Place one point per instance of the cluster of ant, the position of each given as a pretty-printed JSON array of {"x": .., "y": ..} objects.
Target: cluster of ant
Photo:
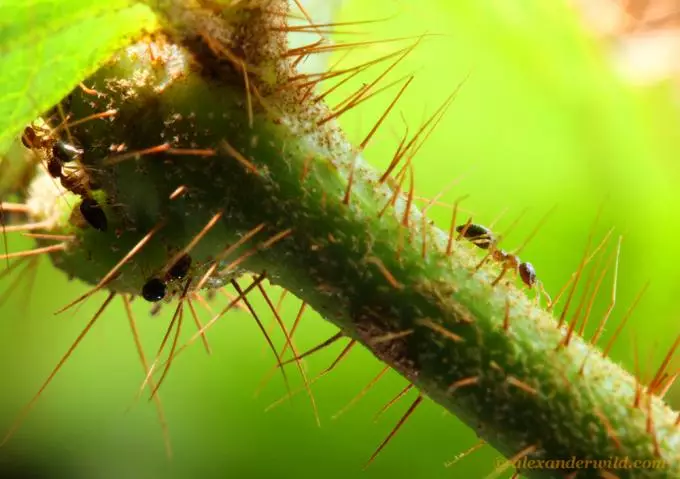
[
  {"x": 482, "y": 237},
  {"x": 58, "y": 156},
  {"x": 155, "y": 289}
]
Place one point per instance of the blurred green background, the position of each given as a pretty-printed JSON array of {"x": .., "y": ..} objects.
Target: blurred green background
[{"x": 542, "y": 120}]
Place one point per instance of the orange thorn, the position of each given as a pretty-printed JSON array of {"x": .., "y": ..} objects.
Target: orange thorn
[
  {"x": 199, "y": 326},
  {"x": 438, "y": 328},
  {"x": 465, "y": 453},
  {"x": 462, "y": 383},
  {"x": 656, "y": 381},
  {"x": 178, "y": 192},
  {"x": 192, "y": 244},
  {"x": 140, "y": 351},
  {"x": 392, "y": 402},
  {"x": 29, "y": 406},
  {"x": 385, "y": 272},
  {"x": 606, "y": 350},
  {"x": 394, "y": 431},
  {"x": 315, "y": 349},
  {"x": 240, "y": 158},
  {"x": 512, "y": 461},
  {"x": 239, "y": 291},
  {"x": 521, "y": 385},
  {"x": 114, "y": 271},
  {"x": 612, "y": 303},
  {"x": 362, "y": 393}
]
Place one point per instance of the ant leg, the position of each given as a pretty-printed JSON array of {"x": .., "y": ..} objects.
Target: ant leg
[
  {"x": 500, "y": 276},
  {"x": 544, "y": 293}
]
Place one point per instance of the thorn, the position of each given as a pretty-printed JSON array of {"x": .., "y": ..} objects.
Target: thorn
[
  {"x": 180, "y": 191},
  {"x": 438, "y": 328},
  {"x": 394, "y": 431},
  {"x": 513, "y": 460},
  {"x": 606, "y": 350},
  {"x": 595, "y": 292},
  {"x": 461, "y": 383},
  {"x": 179, "y": 316},
  {"x": 358, "y": 98},
  {"x": 366, "y": 140},
  {"x": 612, "y": 303},
  {"x": 145, "y": 365},
  {"x": 115, "y": 270},
  {"x": 392, "y": 401},
  {"x": 521, "y": 385},
  {"x": 210, "y": 323},
  {"x": 650, "y": 427},
  {"x": 192, "y": 244},
  {"x": 389, "y": 337},
  {"x": 638, "y": 377},
  {"x": 315, "y": 349},
  {"x": 465, "y": 453},
  {"x": 573, "y": 275},
  {"x": 23, "y": 413},
  {"x": 506, "y": 316},
  {"x": 452, "y": 227},
  {"x": 239, "y": 291},
  {"x": 657, "y": 379},
  {"x": 385, "y": 272},
  {"x": 35, "y": 252},
  {"x": 362, "y": 393},
  {"x": 239, "y": 157},
  {"x": 226, "y": 252}
]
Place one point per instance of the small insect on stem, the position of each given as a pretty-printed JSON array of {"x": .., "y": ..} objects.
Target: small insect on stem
[
  {"x": 483, "y": 237},
  {"x": 57, "y": 154},
  {"x": 155, "y": 289}
]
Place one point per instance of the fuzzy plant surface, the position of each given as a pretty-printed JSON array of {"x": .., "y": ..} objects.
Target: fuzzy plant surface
[{"x": 203, "y": 146}]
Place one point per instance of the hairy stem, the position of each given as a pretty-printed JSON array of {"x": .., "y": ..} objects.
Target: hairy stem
[{"x": 255, "y": 153}]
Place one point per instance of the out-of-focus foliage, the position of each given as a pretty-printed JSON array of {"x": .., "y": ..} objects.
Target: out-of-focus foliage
[
  {"x": 542, "y": 119},
  {"x": 42, "y": 63}
]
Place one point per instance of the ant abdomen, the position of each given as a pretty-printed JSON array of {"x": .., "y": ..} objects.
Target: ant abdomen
[
  {"x": 65, "y": 152},
  {"x": 154, "y": 290},
  {"x": 528, "y": 274},
  {"x": 93, "y": 214}
]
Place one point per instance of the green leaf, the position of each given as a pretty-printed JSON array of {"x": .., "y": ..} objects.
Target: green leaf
[{"x": 48, "y": 46}]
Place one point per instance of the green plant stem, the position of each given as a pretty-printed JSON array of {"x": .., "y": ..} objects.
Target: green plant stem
[{"x": 488, "y": 353}]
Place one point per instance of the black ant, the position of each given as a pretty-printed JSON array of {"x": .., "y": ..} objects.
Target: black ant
[
  {"x": 58, "y": 153},
  {"x": 155, "y": 288},
  {"x": 482, "y": 237}
]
